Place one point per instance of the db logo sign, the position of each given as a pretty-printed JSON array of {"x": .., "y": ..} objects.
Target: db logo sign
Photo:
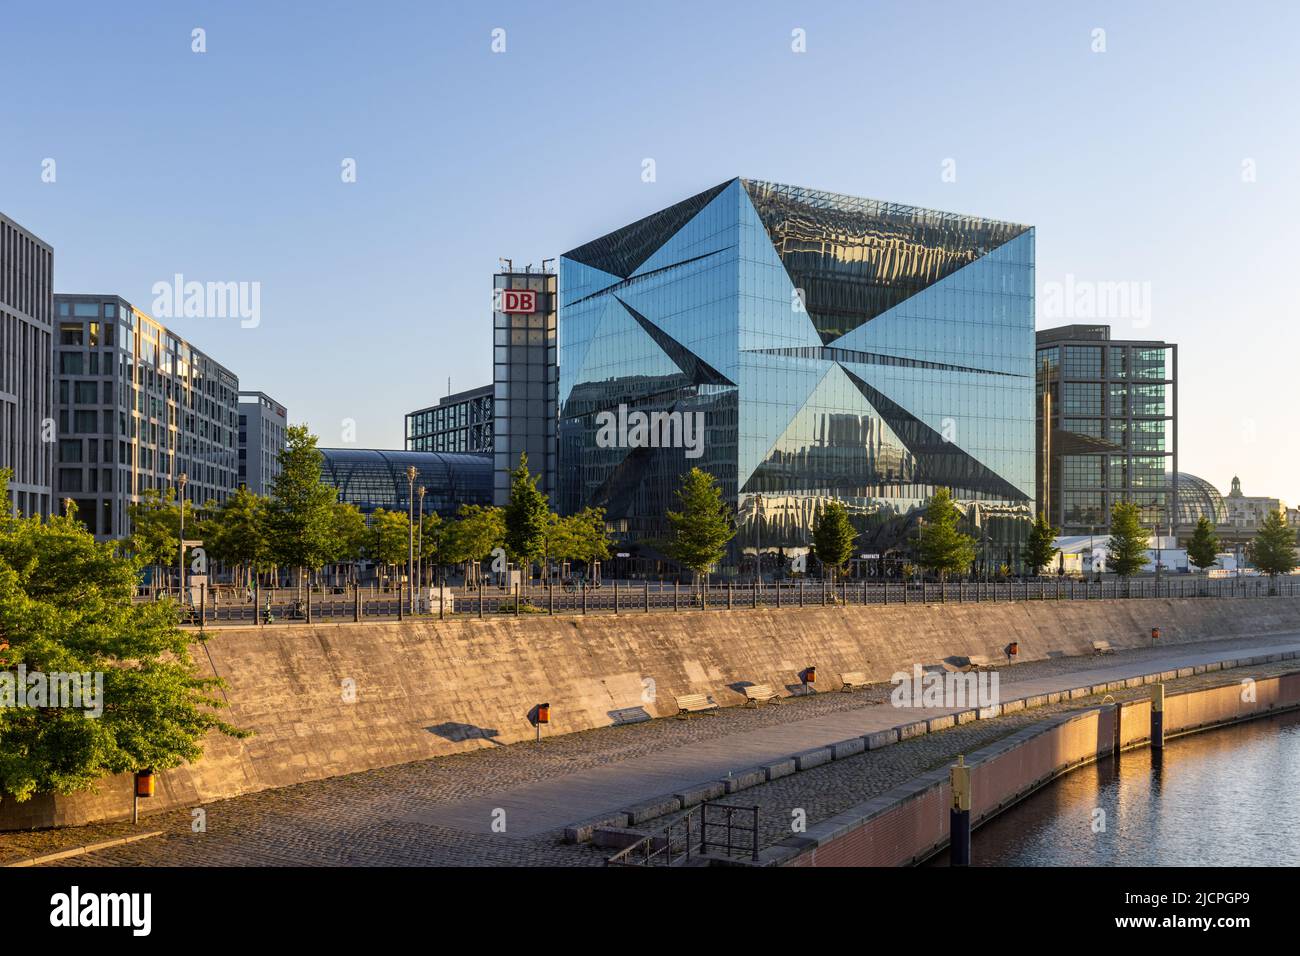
[{"x": 517, "y": 300}]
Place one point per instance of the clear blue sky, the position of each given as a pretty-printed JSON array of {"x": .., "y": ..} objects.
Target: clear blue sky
[{"x": 225, "y": 166}]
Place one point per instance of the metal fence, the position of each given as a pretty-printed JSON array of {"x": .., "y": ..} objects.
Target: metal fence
[{"x": 235, "y": 606}]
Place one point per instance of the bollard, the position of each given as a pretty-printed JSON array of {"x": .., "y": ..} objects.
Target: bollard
[
  {"x": 517, "y": 598},
  {"x": 1157, "y": 716},
  {"x": 676, "y": 589},
  {"x": 728, "y": 595},
  {"x": 959, "y": 815},
  {"x": 647, "y": 595},
  {"x": 400, "y": 614},
  {"x": 203, "y": 606},
  {"x": 356, "y": 603},
  {"x": 615, "y": 595},
  {"x": 550, "y": 598},
  {"x": 480, "y": 599}
]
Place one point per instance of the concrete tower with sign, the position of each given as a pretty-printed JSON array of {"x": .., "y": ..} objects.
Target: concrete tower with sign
[{"x": 525, "y": 376}]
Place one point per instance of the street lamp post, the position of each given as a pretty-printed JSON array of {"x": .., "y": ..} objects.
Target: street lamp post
[
  {"x": 419, "y": 542},
  {"x": 410, "y": 529},
  {"x": 180, "y": 567}
]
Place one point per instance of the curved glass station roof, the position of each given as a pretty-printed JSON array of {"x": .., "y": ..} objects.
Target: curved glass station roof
[
  {"x": 1198, "y": 498},
  {"x": 376, "y": 478}
]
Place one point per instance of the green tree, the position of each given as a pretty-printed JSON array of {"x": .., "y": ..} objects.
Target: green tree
[
  {"x": 1203, "y": 547},
  {"x": 429, "y": 532},
  {"x": 1041, "y": 547},
  {"x": 579, "y": 537},
  {"x": 528, "y": 518},
  {"x": 700, "y": 531},
  {"x": 944, "y": 548},
  {"x": 300, "y": 516},
  {"x": 66, "y": 606},
  {"x": 155, "y": 529},
  {"x": 388, "y": 540},
  {"x": 477, "y": 530},
  {"x": 349, "y": 535},
  {"x": 1127, "y": 551},
  {"x": 833, "y": 537},
  {"x": 236, "y": 532},
  {"x": 1273, "y": 550}
]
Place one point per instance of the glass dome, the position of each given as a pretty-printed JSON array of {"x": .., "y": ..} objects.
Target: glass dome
[
  {"x": 374, "y": 478},
  {"x": 1197, "y": 498}
]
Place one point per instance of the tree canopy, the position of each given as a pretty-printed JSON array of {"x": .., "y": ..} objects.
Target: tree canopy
[
  {"x": 1273, "y": 549},
  {"x": 833, "y": 536},
  {"x": 944, "y": 548},
  {"x": 1041, "y": 547},
  {"x": 1203, "y": 547},
  {"x": 702, "y": 528},
  {"x": 1126, "y": 553},
  {"x": 66, "y": 607}
]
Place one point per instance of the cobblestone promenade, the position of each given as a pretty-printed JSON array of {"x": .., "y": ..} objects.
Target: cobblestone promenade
[{"x": 450, "y": 811}]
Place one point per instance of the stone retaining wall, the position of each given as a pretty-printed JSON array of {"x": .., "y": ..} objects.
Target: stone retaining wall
[{"x": 329, "y": 699}]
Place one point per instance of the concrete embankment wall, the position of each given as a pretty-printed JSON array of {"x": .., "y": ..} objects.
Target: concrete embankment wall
[
  {"x": 329, "y": 699},
  {"x": 910, "y": 822}
]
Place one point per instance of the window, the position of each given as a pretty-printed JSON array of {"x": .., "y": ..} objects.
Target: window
[
  {"x": 1081, "y": 361},
  {"x": 1080, "y": 398}
]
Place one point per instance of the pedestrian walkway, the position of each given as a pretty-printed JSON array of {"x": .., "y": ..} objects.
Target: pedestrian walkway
[{"x": 550, "y": 804}]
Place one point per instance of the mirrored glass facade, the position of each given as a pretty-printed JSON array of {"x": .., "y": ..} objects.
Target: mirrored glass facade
[{"x": 829, "y": 348}]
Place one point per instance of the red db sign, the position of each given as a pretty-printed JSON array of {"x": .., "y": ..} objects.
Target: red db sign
[{"x": 518, "y": 300}]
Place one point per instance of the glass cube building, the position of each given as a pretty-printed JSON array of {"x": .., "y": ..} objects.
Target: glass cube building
[{"x": 830, "y": 348}]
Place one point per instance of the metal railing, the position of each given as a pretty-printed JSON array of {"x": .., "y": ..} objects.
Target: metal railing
[
  {"x": 223, "y": 605},
  {"x": 682, "y": 840}
]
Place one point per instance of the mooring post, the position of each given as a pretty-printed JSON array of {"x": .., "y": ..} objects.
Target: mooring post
[
  {"x": 1157, "y": 716},
  {"x": 959, "y": 815}
]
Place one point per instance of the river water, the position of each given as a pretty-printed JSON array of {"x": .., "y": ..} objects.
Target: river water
[{"x": 1228, "y": 797}]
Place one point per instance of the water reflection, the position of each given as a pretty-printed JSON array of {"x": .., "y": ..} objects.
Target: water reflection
[{"x": 1228, "y": 797}]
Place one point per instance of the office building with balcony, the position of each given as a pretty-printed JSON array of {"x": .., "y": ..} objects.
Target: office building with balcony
[
  {"x": 1107, "y": 426},
  {"x": 138, "y": 406},
  {"x": 803, "y": 347},
  {"x": 27, "y": 417},
  {"x": 262, "y": 425},
  {"x": 462, "y": 422}
]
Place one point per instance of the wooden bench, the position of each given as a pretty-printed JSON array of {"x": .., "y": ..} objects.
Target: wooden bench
[
  {"x": 1102, "y": 647},
  {"x": 760, "y": 693},
  {"x": 689, "y": 704},
  {"x": 853, "y": 679}
]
